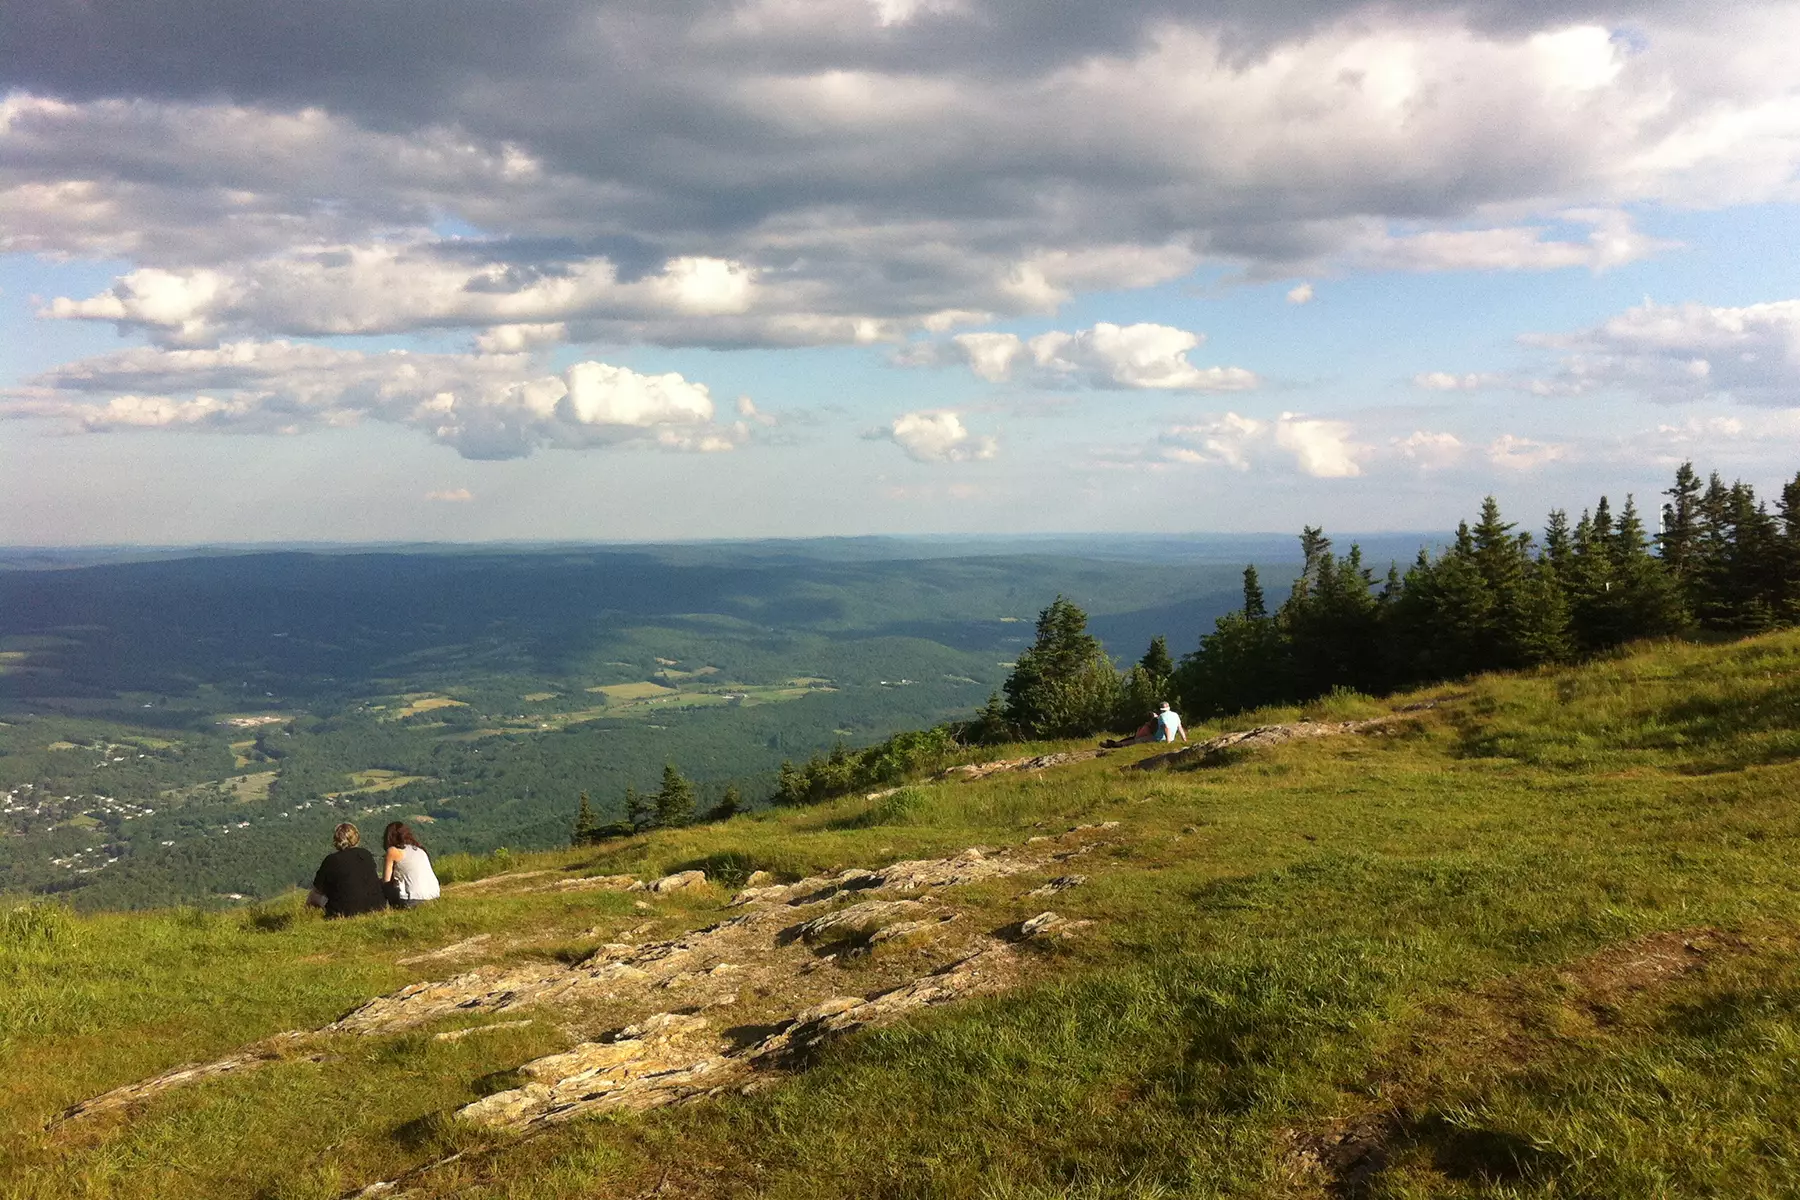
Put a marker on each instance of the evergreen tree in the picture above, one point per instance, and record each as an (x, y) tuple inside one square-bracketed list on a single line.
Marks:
[(675, 800), (640, 810), (587, 826), (1255, 607), (1243, 663), (1678, 544), (1440, 623), (1788, 556), (1647, 597), (729, 805), (1064, 685), (1156, 660)]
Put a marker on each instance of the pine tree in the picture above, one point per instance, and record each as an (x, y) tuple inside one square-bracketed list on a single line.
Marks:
[(729, 805), (586, 824), (1679, 542), (1156, 660), (1788, 559), (1255, 607), (1647, 598), (640, 810), (675, 800), (1064, 685)]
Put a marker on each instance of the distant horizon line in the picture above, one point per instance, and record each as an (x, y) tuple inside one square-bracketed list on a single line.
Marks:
[(297, 544)]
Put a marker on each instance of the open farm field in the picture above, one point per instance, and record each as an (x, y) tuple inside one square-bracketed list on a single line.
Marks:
[(641, 690), (1529, 936)]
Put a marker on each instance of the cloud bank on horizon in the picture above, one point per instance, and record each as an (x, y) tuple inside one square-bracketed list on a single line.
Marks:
[(560, 225)]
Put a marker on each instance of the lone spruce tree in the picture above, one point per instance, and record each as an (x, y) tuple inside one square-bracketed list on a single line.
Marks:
[(1064, 685), (587, 826), (640, 810), (675, 801), (729, 805)]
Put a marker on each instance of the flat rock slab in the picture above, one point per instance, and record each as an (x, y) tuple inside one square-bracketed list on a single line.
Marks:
[(1262, 735)]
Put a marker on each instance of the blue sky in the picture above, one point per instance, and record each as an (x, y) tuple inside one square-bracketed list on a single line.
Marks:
[(799, 267)]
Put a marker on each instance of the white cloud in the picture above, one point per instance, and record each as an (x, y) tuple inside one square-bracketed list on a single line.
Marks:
[(391, 288), (459, 495), (1302, 294), (1444, 381), (1226, 440), (1431, 451), (1320, 448), (1522, 454), (1613, 241), (1685, 352), (486, 406), (511, 339), (1107, 356), (937, 437), (784, 172)]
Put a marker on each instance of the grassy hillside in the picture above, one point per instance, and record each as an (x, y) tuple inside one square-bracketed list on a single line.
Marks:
[(1542, 939)]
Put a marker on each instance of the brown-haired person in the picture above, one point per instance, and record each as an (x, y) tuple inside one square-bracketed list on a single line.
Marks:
[(347, 884), (406, 876)]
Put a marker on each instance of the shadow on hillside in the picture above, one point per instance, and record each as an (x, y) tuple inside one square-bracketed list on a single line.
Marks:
[(1729, 728)]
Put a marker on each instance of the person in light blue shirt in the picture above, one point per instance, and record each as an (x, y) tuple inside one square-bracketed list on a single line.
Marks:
[(1168, 724)]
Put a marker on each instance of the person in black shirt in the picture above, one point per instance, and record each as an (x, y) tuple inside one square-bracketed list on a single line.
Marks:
[(347, 883)]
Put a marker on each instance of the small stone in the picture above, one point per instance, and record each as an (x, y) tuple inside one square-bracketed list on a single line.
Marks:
[(759, 879), (680, 881)]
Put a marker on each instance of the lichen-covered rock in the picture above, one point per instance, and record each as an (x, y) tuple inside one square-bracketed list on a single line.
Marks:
[(679, 882), (1049, 925), (864, 918), (1061, 883)]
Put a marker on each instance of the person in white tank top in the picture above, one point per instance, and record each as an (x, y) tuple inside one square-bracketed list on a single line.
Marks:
[(406, 875)]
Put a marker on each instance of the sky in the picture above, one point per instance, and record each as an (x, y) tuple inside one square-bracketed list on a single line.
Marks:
[(574, 269)]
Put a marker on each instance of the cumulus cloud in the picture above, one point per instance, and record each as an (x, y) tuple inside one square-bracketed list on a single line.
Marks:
[(773, 172), (486, 406), (1431, 451), (937, 437), (392, 288), (1684, 352), (1512, 453), (1302, 294), (1107, 356), (1321, 448)]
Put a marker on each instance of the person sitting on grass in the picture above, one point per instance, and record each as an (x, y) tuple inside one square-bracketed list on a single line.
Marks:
[(1147, 732), (347, 884), (1168, 724), (406, 876)]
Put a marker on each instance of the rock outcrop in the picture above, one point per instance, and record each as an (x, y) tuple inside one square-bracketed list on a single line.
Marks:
[(763, 947)]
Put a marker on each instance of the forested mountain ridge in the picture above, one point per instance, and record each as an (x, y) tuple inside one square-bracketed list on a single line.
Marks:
[(188, 729)]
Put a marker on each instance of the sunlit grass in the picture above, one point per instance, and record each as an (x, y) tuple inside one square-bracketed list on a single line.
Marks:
[(1374, 923)]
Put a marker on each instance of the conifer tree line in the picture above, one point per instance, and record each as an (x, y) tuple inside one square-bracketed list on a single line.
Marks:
[(669, 807), (1495, 599)]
